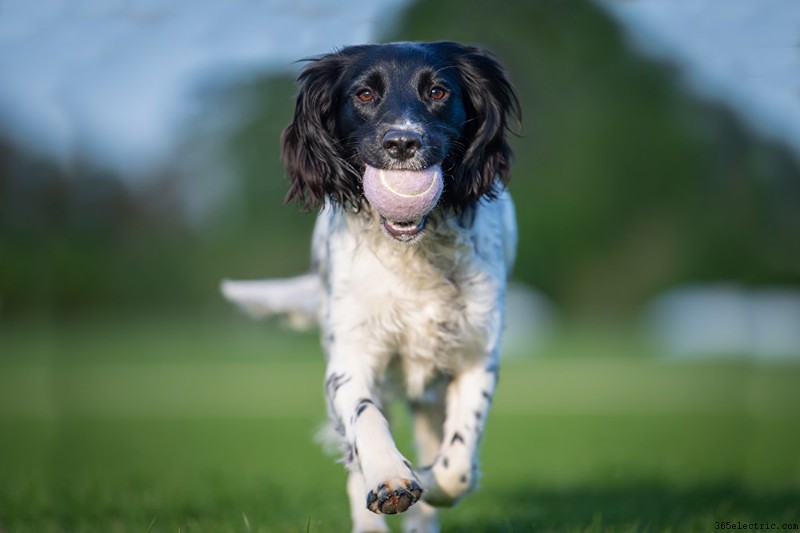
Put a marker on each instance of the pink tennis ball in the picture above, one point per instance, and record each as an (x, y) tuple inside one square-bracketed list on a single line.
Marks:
[(403, 195)]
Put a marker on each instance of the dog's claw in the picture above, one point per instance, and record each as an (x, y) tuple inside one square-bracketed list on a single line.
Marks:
[(393, 500)]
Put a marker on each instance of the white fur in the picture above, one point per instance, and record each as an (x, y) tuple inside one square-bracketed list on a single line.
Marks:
[(424, 318), (298, 297)]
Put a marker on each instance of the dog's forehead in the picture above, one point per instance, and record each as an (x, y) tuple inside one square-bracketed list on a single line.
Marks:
[(403, 59)]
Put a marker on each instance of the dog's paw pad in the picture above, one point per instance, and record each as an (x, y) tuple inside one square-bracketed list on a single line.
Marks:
[(393, 498)]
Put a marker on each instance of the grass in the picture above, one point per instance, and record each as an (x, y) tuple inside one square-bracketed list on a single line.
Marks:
[(206, 424)]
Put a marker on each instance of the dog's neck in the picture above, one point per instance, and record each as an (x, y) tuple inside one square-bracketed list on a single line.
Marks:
[(446, 238)]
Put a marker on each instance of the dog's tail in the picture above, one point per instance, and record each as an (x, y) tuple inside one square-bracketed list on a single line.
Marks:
[(299, 299)]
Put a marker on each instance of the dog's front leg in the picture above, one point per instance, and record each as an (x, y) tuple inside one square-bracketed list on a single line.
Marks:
[(389, 483), (468, 399)]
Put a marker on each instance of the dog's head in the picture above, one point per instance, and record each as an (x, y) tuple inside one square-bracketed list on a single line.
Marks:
[(385, 117)]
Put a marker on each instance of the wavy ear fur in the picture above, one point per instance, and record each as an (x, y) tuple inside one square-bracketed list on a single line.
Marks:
[(490, 101), (310, 150)]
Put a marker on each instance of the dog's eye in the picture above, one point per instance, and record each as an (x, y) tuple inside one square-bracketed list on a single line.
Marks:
[(437, 93), (365, 95)]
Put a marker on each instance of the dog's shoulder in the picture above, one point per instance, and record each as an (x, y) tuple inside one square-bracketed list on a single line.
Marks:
[(495, 231)]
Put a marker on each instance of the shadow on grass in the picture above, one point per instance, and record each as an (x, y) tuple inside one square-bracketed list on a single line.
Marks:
[(636, 507)]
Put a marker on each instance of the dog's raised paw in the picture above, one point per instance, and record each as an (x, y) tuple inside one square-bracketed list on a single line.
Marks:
[(392, 497)]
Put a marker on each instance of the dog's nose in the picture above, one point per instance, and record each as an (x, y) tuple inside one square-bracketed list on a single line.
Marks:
[(401, 144)]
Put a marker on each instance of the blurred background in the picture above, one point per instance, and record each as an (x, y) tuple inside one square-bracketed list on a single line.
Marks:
[(657, 184)]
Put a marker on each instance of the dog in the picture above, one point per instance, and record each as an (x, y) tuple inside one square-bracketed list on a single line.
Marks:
[(410, 304)]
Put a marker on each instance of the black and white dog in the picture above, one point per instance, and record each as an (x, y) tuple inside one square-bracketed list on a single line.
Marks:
[(414, 306)]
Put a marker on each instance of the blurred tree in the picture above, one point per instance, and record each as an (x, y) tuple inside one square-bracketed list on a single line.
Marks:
[(625, 184)]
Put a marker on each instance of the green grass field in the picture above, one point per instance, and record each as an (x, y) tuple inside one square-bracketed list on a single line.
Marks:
[(207, 424)]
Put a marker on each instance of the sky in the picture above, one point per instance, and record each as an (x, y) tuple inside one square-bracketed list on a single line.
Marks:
[(117, 83), (744, 53)]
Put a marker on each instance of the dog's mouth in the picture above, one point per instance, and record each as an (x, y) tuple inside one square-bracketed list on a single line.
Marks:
[(405, 231), (403, 198)]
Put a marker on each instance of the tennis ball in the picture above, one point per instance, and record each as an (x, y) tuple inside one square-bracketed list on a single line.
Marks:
[(403, 195)]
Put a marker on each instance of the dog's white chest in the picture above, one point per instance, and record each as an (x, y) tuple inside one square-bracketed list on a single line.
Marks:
[(434, 308)]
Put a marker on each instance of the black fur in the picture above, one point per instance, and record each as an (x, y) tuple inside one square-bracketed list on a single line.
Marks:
[(334, 382), (363, 404), (334, 133)]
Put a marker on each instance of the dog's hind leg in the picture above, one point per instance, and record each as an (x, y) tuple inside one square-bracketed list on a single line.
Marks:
[(427, 419), (422, 518), (454, 471), (364, 520)]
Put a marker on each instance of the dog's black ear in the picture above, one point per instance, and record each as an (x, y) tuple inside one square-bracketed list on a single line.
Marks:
[(490, 101), (310, 149)]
